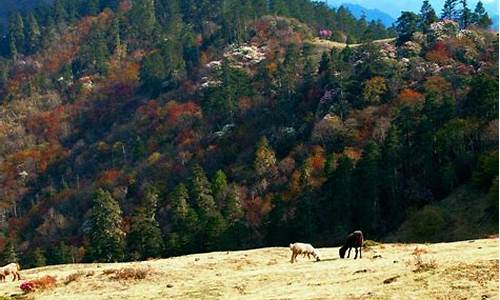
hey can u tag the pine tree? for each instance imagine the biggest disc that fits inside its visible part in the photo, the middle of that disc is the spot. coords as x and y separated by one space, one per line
37 258
232 209
449 10
219 188
406 26
390 186
17 38
106 235
341 196
145 239
427 16
465 15
186 227
366 188
142 18
209 215
10 254
34 34
60 13
480 17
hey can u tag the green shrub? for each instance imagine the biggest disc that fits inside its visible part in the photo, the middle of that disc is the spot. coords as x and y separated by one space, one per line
426 224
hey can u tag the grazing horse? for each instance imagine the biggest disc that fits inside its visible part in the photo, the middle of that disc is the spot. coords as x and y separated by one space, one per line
353 240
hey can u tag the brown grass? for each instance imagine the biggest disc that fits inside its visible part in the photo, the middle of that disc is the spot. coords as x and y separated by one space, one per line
422 264
129 273
44 283
463 270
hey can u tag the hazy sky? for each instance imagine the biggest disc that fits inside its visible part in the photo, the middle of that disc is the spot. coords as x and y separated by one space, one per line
394 7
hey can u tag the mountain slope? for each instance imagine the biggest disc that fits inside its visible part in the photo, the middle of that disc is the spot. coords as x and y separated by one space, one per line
470 267
185 126
371 14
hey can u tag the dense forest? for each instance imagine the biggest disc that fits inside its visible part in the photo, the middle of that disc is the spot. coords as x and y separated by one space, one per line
138 129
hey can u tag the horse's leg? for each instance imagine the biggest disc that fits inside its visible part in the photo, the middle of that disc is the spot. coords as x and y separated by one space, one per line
360 251
356 256
349 252
291 259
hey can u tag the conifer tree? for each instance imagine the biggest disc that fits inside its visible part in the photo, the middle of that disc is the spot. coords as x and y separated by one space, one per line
17 38
186 227
37 258
34 34
465 14
10 254
480 17
367 183
219 188
106 235
427 16
144 239
450 10
209 215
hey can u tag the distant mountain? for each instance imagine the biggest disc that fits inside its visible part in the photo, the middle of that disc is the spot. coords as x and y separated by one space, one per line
371 14
394 8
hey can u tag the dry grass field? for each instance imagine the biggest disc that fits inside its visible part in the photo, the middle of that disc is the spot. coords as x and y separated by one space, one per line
460 270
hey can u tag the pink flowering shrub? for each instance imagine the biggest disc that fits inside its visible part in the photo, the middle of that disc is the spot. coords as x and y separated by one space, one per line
43 283
27 287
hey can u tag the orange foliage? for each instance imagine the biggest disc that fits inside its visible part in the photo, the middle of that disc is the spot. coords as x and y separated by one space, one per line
48 124
410 97
123 72
353 153
437 85
185 137
109 177
439 54
175 111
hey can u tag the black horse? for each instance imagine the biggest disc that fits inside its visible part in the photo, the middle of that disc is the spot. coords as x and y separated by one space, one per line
353 240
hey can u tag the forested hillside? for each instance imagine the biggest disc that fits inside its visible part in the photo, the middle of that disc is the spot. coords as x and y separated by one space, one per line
137 129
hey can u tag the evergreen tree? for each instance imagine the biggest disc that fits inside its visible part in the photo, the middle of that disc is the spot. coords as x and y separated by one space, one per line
17 38
183 236
10 254
200 191
340 201
450 10
142 19
34 34
60 13
406 26
366 182
37 258
144 239
61 254
390 185
219 188
209 215
465 15
232 210
106 235
427 16
482 100
480 17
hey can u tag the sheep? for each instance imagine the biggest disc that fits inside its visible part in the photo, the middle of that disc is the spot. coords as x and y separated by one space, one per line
353 240
304 249
12 268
